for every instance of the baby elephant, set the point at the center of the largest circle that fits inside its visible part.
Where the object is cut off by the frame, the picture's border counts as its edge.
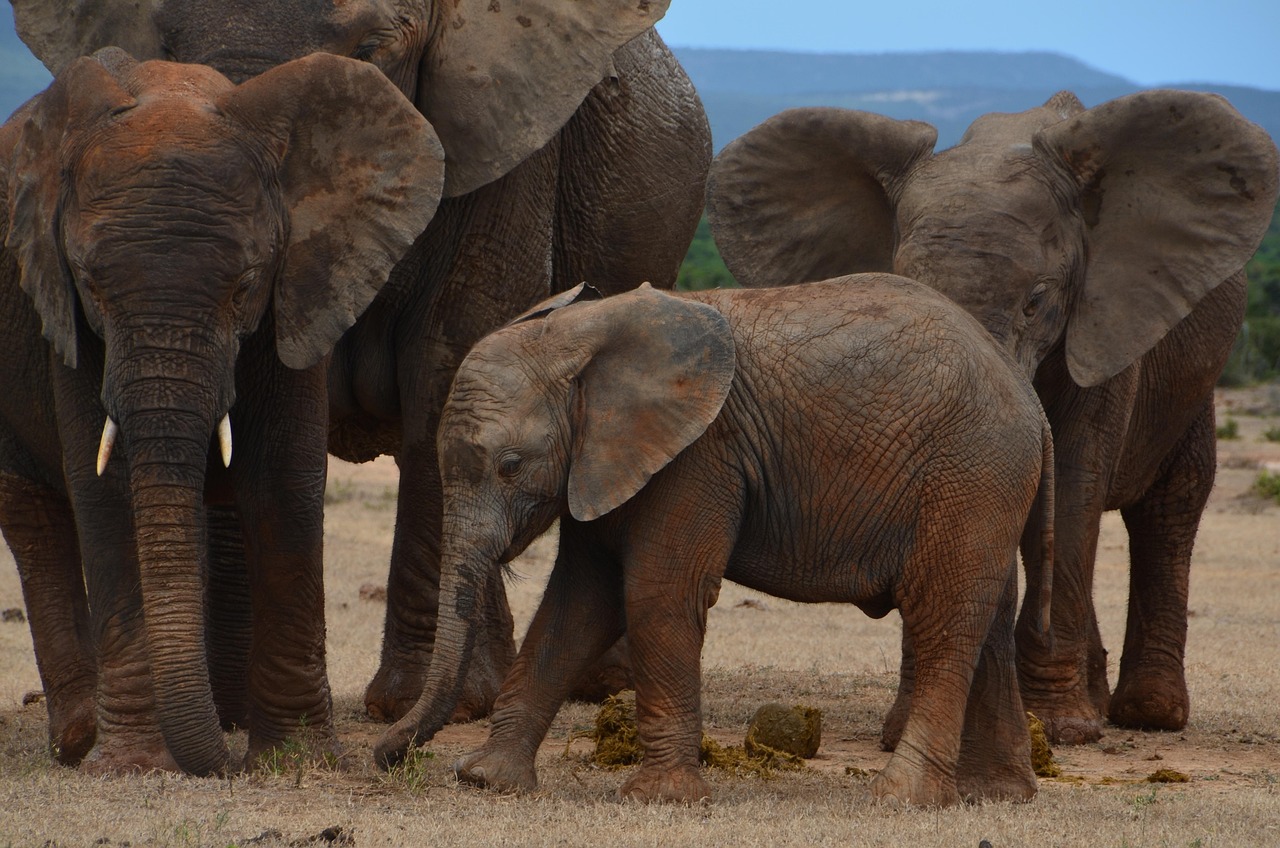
(859, 439)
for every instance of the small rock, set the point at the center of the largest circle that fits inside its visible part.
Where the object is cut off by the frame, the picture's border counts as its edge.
(13, 615)
(750, 603)
(35, 696)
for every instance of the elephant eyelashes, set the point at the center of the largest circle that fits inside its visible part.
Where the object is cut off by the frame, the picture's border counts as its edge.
(1034, 300)
(510, 464)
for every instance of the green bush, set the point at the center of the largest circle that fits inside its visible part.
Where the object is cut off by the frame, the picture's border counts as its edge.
(1268, 485)
(1229, 429)
(702, 267)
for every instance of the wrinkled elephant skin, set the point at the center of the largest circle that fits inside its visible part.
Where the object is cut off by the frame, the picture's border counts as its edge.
(175, 274)
(1103, 248)
(831, 442)
(564, 165)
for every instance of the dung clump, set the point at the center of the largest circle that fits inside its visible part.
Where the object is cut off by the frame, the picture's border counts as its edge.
(794, 731)
(1041, 754)
(618, 744)
(1168, 776)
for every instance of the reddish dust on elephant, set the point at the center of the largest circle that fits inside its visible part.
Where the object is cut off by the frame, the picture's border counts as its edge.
(858, 440)
(1103, 248)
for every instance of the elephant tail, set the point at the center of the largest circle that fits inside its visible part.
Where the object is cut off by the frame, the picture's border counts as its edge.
(1044, 500)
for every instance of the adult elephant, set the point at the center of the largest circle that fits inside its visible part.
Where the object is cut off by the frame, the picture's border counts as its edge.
(576, 150)
(190, 251)
(1104, 248)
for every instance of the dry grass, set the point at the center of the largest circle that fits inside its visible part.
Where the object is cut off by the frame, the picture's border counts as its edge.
(758, 649)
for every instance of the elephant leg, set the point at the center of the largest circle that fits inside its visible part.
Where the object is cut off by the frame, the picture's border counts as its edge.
(673, 577)
(485, 258)
(1151, 692)
(891, 731)
(278, 474)
(949, 595)
(995, 749)
(41, 532)
(580, 616)
(1063, 678)
(229, 618)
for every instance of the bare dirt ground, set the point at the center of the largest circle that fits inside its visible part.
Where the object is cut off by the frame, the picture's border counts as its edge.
(758, 649)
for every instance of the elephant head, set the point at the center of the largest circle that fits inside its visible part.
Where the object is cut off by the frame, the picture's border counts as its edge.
(569, 410)
(496, 78)
(1095, 228)
(172, 214)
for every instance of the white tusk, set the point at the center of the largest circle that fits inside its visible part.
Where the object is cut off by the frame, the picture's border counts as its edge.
(109, 432)
(224, 439)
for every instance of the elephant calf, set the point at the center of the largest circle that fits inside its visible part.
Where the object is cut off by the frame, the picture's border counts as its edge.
(858, 440)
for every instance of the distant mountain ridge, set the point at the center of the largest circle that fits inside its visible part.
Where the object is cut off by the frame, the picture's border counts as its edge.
(741, 88)
(769, 72)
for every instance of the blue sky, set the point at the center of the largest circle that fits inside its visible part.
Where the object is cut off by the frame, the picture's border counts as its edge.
(1214, 41)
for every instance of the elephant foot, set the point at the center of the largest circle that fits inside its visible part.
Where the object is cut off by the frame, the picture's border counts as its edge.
(392, 692)
(1069, 712)
(1068, 729)
(654, 784)
(114, 755)
(496, 771)
(608, 676)
(905, 784)
(1150, 702)
(72, 730)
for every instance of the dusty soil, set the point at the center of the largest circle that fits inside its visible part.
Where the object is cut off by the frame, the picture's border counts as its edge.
(758, 649)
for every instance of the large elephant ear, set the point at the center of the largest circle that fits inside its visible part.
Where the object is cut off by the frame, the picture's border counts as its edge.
(58, 31)
(501, 77)
(807, 195)
(1178, 189)
(31, 156)
(361, 172)
(658, 374)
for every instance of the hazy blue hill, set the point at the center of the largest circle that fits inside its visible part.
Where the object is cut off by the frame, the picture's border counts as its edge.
(741, 88)
(773, 72)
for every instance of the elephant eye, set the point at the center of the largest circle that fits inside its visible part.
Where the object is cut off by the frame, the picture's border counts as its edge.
(244, 285)
(1034, 299)
(509, 464)
(364, 50)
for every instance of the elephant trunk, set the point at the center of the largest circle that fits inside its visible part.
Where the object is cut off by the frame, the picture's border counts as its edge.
(167, 425)
(462, 581)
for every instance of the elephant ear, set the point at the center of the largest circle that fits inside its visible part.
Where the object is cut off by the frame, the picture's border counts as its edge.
(32, 156)
(361, 173)
(501, 77)
(808, 194)
(58, 31)
(658, 373)
(1177, 189)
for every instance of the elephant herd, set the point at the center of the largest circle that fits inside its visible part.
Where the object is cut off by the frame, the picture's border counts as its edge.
(239, 237)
